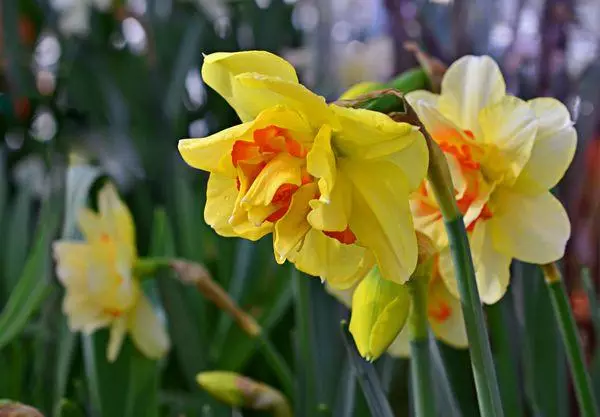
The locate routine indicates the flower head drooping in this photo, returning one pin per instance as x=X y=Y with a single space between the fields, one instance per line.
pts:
x=504 y=154
x=100 y=288
x=330 y=183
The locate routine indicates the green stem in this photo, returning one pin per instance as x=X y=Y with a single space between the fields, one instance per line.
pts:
x=277 y=364
x=570 y=336
x=422 y=384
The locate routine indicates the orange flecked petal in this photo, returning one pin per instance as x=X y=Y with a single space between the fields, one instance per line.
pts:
x=346 y=237
x=295 y=148
x=439 y=312
x=270 y=139
x=276 y=215
x=284 y=194
x=244 y=151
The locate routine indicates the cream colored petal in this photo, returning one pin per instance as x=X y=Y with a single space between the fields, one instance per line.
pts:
x=72 y=259
x=293 y=226
x=492 y=267
x=91 y=225
x=422 y=95
x=118 y=330
x=343 y=296
x=400 y=347
x=533 y=229
x=510 y=126
x=553 y=149
x=367 y=134
x=342 y=266
x=220 y=70
x=119 y=225
x=445 y=315
x=147 y=330
x=83 y=314
x=381 y=217
x=470 y=84
x=320 y=162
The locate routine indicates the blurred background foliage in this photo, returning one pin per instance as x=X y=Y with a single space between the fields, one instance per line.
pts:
x=111 y=85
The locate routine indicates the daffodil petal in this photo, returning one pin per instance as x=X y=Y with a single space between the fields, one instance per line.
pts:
x=213 y=153
x=445 y=315
x=492 y=267
x=82 y=313
x=320 y=162
x=531 y=228
x=257 y=92
x=361 y=88
x=293 y=226
x=221 y=195
x=343 y=296
x=553 y=149
x=72 y=260
x=220 y=70
x=147 y=330
x=510 y=126
x=368 y=134
x=413 y=160
x=339 y=264
x=333 y=215
x=379 y=310
x=425 y=96
x=283 y=169
x=470 y=84
x=117 y=335
x=381 y=217
x=400 y=347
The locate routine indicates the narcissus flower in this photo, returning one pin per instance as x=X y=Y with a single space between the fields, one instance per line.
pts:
x=381 y=309
x=100 y=288
x=505 y=154
x=331 y=183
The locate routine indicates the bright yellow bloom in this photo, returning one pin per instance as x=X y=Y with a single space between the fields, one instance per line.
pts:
x=100 y=288
x=331 y=183
x=382 y=326
x=505 y=154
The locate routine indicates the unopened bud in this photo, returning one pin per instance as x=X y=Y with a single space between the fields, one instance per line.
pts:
x=238 y=391
x=361 y=88
x=12 y=409
x=379 y=311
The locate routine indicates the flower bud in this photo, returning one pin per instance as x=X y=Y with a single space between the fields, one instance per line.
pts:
x=379 y=311
x=238 y=391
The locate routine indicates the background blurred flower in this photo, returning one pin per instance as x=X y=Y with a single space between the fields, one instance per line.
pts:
x=100 y=288
x=331 y=183
x=504 y=155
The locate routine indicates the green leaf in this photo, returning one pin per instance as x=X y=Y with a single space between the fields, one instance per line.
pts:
x=142 y=391
x=18 y=233
x=67 y=408
x=65 y=352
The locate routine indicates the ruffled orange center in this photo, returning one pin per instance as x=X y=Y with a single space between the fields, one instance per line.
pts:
x=251 y=157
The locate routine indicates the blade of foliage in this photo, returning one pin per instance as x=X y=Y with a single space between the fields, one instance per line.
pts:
x=368 y=380
x=445 y=397
x=18 y=229
x=544 y=360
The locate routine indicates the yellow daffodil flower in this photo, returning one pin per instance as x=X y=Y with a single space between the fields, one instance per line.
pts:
x=382 y=326
x=331 y=183
x=505 y=154
x=97 y=276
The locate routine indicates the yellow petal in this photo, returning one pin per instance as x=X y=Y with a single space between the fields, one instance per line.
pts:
x=470 y=84
x=492 y=267
x=90 y=225
x=400 y=347
x=283 y=169
x=510 y=126
x=368 y=134
x=117 y=335
x=82 y=314
x=147 y=330
x=533 y=229
x=213 y=153
x=379 y=311
x=257 y=92
x=293 y=226
x=220 y=70
x=221 y=195
x=445 y=315
x=339 y=264
x=320 y=162
x=343 y=296
x=553 y=149
x=333 y=215
x=381 y=217
x=413 y=160
x=72 y=260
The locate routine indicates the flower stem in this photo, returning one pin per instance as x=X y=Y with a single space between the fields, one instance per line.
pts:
x=482 y=362
x=421 y=381
x=278 y=365
x=570 y=336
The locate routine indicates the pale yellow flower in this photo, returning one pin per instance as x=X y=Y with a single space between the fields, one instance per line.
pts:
x=100 y=288
x=330 y=183
x=505 y=154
